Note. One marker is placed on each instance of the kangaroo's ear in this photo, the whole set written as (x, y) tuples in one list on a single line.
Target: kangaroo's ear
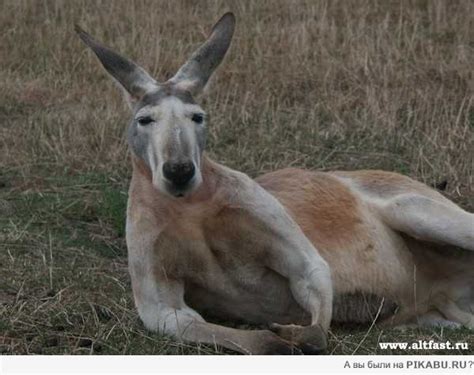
[(195, 73), (134, 79)]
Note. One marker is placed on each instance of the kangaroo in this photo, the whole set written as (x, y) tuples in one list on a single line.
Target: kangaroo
[(292, 250)]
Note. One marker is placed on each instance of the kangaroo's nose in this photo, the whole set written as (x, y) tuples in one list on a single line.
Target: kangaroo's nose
[(179, 173)]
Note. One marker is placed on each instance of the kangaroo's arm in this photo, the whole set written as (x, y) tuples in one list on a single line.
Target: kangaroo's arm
[(161, 306), (162, 309), (290, 253)]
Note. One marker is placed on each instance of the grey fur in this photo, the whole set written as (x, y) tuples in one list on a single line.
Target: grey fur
[(154, 99), (165, 91), (134, 79)]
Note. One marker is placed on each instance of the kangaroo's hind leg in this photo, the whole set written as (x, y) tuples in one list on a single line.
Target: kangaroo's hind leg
[(441, 237), (431, 319), (427, 219), (452, 312)]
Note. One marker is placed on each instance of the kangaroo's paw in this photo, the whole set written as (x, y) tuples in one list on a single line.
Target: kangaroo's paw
[(309, 339)]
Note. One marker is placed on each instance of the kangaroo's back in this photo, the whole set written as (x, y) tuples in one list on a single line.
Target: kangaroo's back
[(324, 207)]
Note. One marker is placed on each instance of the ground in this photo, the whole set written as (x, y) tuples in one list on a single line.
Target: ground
[(327, 85)]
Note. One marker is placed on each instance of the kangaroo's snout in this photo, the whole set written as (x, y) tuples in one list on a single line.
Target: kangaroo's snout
[(179, 174)]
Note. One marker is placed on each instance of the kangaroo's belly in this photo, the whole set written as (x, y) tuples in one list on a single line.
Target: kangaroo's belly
[(261, 298), (275, 304)]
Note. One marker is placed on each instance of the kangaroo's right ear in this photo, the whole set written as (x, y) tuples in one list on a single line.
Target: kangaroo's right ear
[(134, 79)]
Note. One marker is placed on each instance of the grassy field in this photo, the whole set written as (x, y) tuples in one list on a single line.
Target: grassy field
[(317, 84)]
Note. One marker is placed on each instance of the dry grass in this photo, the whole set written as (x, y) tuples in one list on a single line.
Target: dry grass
[(323, 85)]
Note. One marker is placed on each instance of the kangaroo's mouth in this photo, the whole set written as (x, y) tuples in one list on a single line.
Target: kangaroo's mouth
[(178, 194), (180, 190)]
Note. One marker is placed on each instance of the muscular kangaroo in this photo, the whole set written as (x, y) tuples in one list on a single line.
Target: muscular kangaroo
[(293, 250)]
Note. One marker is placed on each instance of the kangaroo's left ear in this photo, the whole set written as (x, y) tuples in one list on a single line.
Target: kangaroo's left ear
[(195, 73), (134, 79)]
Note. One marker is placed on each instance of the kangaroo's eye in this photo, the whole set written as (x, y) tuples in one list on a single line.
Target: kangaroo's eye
[(145, 120), (198, 118)]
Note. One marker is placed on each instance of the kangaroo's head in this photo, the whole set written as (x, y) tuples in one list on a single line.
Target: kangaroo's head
[(168, 128)]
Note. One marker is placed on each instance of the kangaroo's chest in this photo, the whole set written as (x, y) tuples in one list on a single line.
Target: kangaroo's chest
[(212, 256), (223, 269)]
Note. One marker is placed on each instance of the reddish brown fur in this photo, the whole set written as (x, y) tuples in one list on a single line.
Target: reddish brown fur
[(325, 209)]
